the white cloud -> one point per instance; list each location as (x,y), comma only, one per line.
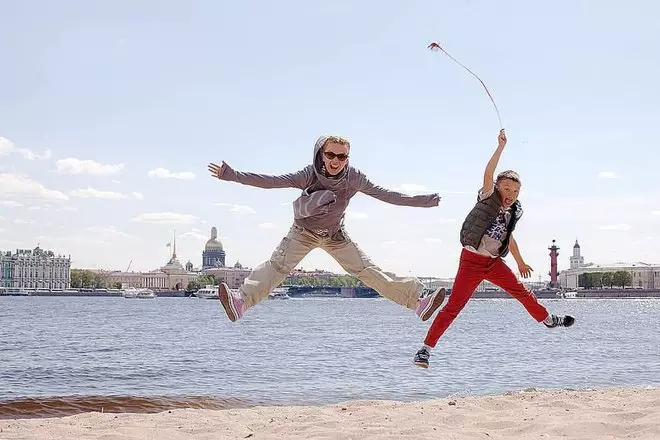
(14,184)
(655,212)
(20,221)
(617,227)
(108,232)
(90,235)
(446,220)
(68,208)
(266,225)
(194,235)
(39,207)
(98,194)
(49,239)
(138,196)
(356,214)
(165,218)
(238,209)
(71,165)
(10,204)
(164,173)
(7,147)
(607,175)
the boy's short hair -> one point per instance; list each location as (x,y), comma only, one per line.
(508,174)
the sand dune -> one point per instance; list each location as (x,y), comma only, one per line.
(601,414)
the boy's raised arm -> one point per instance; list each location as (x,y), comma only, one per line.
(489,172)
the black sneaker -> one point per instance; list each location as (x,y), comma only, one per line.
(422,358)
(560,321)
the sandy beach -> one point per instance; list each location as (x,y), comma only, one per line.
(565,414)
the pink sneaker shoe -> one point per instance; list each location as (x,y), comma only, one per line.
(428,305)
(233,305)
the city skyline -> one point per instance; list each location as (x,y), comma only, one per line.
(575,261)
(108,119)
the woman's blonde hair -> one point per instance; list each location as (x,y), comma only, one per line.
(336,140)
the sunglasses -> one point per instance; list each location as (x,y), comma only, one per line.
(330,155)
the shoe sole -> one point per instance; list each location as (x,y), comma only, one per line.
(225,299)
(433,306)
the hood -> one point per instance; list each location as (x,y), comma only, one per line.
(329,183)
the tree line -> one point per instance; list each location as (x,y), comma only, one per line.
(324,281)
(86,279)
(598,280)
(201,281)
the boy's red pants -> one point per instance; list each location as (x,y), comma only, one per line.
(472,270)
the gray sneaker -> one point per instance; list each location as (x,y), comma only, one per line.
(560,321)
(422,358)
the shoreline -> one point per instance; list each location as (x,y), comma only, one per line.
(606,413)
(541,294)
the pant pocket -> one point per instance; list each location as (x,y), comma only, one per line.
(280,256)
(296,228)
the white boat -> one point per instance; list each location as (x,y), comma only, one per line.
(279,293)
(130,292)
(571,294)
(207,292)
(145,294)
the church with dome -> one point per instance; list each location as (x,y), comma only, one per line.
(213,255)
(176,276)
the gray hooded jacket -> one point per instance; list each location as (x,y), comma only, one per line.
(324,200)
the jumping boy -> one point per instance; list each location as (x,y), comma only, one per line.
(487,237)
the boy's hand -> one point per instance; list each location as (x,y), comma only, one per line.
(501,139)
(524,269)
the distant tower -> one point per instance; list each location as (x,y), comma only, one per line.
(553,264)
(213,254)
(576,260)
(189,266)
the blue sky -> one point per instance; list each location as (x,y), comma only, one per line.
(95,95)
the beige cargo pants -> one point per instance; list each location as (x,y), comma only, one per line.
(299,242)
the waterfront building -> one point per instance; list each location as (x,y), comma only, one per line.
(34,269)
(172,276)
(233,276)
(643,275)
